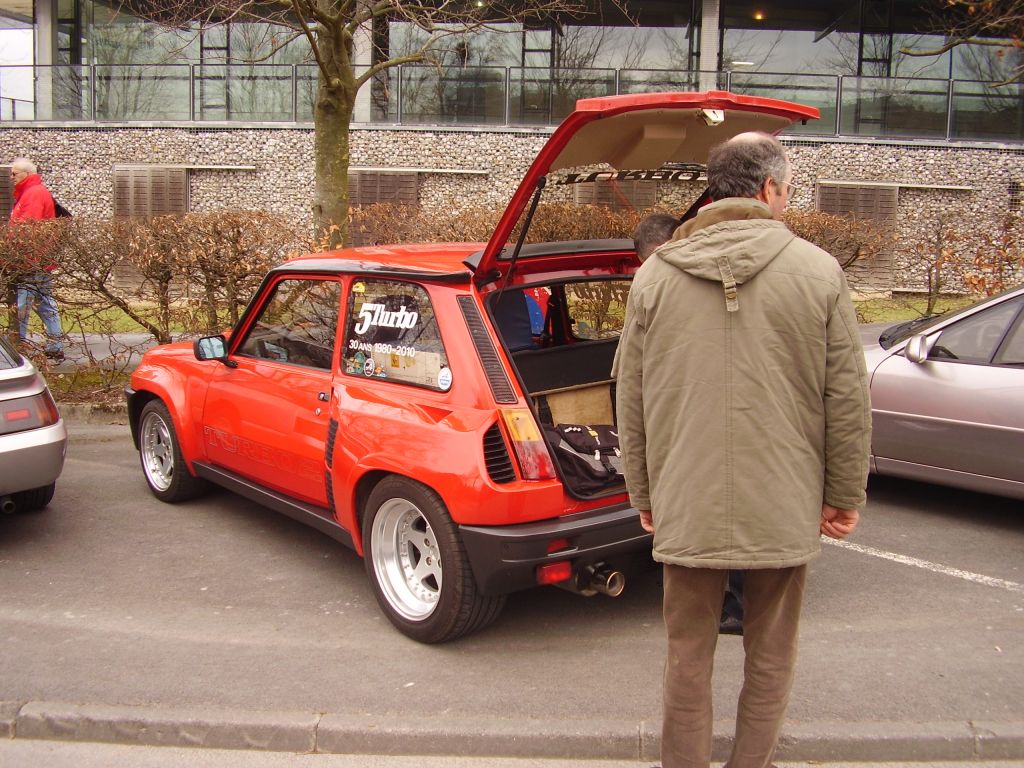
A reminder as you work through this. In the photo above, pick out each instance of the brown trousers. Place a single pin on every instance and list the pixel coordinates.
(771, 617)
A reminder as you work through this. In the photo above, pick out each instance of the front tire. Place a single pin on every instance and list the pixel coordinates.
(162, 462)
(418, 566)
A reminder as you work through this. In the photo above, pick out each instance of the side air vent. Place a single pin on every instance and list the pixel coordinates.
(332, 435)
(330, 492)
(497, 378)
(499, 463)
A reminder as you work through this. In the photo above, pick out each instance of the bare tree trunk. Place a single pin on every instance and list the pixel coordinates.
(331, 156)
(335, 101)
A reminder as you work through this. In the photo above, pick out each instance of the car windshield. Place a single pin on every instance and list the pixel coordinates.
(900, 332)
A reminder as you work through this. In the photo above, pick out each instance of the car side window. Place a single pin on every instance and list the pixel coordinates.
(391, 333)
(975, 339)
(1012, 351)
(298, 324)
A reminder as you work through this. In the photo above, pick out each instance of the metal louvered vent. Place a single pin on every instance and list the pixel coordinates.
(6, 192)
(150, 190)
(497, 378)
(499, 463)
(617, 195)
(332, 435)
(876, 203)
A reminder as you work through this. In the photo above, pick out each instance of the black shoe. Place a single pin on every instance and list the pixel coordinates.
(55, 355)
(730, 626)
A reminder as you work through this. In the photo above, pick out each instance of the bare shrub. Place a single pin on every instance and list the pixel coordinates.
(850, 240)
(936, 255)
(223, 259)
(169, 275)
(25, 248)
(999, 261)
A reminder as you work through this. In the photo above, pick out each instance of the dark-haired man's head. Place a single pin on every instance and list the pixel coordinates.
(652, 231)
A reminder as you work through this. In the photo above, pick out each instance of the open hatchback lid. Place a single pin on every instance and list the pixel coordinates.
(648, 136)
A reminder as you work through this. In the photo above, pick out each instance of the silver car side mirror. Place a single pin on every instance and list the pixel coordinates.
(919, 347)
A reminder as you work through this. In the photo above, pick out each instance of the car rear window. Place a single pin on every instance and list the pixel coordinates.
(391, 334)
(9, 357)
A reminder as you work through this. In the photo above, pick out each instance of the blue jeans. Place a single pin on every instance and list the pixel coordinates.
(37, 293)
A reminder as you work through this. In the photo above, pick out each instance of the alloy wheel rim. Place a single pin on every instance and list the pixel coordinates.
(157, 452)
(406, 559)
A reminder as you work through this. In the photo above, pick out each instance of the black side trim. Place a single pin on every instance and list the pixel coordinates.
(497, 378)
(332, 435)
(133, 426)
(499, 463)
(330, 492)
(313, 516)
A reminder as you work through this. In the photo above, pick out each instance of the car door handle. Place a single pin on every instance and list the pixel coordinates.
(323, 397)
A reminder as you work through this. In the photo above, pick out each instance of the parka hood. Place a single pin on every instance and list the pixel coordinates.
(729, 242)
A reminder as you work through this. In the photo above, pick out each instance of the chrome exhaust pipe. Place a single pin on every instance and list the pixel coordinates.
(601, 579)
(7, 505)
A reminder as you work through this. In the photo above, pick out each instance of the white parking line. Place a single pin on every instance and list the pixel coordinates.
(977, 578)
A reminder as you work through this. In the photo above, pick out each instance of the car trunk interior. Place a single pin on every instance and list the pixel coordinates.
(564, 360)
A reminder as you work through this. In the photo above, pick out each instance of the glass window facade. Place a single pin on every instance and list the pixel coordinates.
(846, 59)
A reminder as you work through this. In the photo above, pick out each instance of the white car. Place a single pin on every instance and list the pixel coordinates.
(947, 398)
(33, 438)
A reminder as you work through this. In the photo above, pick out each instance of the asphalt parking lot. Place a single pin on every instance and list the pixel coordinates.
(115, 600)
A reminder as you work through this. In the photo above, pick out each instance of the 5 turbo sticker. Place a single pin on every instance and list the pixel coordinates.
(377, 314)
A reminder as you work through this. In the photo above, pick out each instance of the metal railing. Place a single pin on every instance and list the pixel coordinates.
(494, 96)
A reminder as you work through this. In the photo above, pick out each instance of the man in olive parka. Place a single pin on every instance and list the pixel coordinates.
(744, 421)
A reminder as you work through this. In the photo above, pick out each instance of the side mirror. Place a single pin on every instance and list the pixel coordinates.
(919, 347)
(211, 348)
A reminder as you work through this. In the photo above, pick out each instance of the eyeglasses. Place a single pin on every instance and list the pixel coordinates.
(791, 187)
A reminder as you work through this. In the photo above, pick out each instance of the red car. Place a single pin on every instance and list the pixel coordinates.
(445, 410)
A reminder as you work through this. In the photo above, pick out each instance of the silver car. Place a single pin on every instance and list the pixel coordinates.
(947, 398)
(33, 438)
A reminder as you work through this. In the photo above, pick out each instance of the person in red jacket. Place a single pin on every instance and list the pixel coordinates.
(33, 202)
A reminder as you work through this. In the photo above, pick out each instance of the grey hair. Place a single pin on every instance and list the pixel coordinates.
(741, 166)
(24, 164)
(652, 231)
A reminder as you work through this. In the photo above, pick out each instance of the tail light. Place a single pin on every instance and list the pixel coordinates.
(24, 413)
(528, 443)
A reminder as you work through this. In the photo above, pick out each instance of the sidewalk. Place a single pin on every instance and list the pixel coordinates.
(327, 733)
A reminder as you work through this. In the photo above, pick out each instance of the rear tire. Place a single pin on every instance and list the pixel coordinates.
(33, 500)
(418, 566)
(162, 462)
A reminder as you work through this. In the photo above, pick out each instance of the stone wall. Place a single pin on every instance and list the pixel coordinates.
(77, 164)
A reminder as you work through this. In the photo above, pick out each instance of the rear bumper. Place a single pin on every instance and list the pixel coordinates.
(32, 459)
(505, 558)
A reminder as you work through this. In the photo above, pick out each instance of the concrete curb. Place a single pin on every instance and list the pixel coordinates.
(90, 413)
(311, 732)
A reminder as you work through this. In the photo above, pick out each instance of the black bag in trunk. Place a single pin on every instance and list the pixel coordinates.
(588, 455)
